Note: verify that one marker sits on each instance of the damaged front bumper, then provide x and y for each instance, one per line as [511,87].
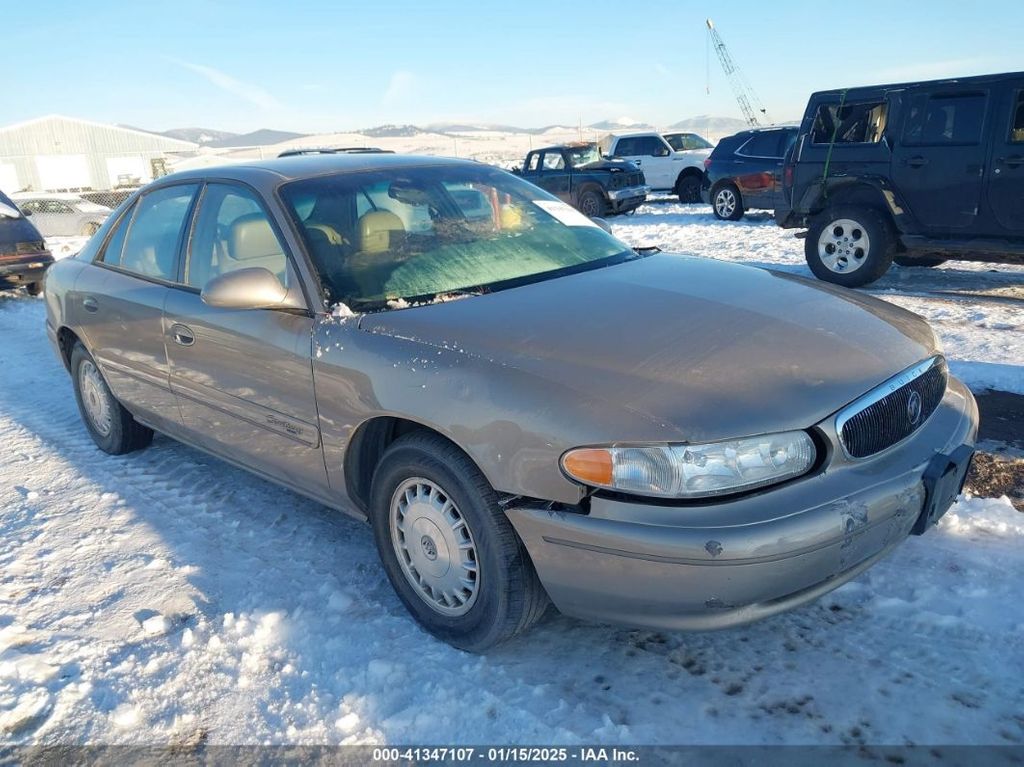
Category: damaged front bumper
[723,564]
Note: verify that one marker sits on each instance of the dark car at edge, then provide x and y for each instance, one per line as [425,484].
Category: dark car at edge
[744,172]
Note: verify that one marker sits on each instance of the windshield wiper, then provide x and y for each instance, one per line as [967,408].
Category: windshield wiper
[647,250]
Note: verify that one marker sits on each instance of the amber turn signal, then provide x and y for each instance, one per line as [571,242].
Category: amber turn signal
[591,466]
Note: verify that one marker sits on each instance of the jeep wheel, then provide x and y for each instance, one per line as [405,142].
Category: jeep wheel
[726,202]
[923,261]
[591,203]
[34,288]
[448,548]
[688,188]
[849,246]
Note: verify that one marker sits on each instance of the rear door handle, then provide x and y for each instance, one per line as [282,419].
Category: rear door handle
[1014,161]
[917,162]
[90,304]
[182,334]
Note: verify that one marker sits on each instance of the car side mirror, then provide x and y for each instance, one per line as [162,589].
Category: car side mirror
[250,288]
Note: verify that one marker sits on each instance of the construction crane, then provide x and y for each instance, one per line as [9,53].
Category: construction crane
[749,103]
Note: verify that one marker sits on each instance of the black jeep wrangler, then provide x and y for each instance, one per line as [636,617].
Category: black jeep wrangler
[917,172]
[577,173]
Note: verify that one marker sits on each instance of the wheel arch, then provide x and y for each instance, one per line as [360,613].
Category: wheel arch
[66,340]
[687,172]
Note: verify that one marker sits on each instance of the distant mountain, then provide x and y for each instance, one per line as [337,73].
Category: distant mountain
[392,131]
[261,137]
[717,126]
[621,124]
[204,136]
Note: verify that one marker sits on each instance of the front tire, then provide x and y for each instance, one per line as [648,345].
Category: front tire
[688,188]
[726,202]
[34,288]
[849,245]
[448,549]
[111,427]
[591,203]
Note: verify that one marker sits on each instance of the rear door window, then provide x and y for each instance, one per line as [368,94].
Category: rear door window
[1017,123]
[849,123]
[937,119]
[151,244]
[764,144]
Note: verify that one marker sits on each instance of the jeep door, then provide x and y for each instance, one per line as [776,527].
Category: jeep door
[554,175]
[1005,193]
[939,159]
[243,377]
[118,302]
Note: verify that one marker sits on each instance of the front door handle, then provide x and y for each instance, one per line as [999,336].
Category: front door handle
[182,334]
[917,162]
[1014,161]
[90,304]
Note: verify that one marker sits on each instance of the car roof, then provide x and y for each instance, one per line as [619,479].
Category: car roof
[865,90]
[294,167]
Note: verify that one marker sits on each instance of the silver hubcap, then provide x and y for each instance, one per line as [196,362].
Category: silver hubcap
[434,546]
[94,397]
[843,246]
[725,203]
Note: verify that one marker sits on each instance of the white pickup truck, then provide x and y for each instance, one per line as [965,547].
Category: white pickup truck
[666,169]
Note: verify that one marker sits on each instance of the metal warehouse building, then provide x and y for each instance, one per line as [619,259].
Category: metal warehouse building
[62,154]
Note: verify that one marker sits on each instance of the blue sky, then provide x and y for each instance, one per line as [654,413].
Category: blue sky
[321,66]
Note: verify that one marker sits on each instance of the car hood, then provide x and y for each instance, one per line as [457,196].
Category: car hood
[715,350]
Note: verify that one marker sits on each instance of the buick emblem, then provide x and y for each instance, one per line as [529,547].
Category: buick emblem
[914,408]
[429,548]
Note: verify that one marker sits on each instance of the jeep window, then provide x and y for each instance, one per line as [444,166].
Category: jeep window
[553,161]
[582,155]
[534,162]
[939,119]
[423,236]
[851,123]
[763,144]
[1017,126]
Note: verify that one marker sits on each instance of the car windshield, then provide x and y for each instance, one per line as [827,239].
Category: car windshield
[582,155]
[386,237]
[682,141]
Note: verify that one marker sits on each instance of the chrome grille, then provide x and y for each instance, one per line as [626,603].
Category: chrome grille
[893,411]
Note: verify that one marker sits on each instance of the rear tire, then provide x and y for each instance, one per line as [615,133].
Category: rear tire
[688,188]
[726,202]
[111,427]
[849,245]
[923,261]
[434,516]
[34,288]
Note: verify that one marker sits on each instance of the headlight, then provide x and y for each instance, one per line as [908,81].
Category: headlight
[693,471]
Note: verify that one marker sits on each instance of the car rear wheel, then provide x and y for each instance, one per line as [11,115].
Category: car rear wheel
[726,202]
[591,203]
[849,246]
[34,288]
[688,188]
[448,549]
[111,427]
[923,261]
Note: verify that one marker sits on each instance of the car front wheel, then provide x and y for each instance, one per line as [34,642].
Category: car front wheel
[726,203]
[849,246]
[688,188]
[111,427]
[448,549]
[591,203]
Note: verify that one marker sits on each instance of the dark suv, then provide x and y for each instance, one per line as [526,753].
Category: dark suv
[745,171]
[23,254]
[919,172]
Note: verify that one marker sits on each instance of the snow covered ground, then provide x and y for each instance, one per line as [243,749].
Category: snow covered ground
[165,597]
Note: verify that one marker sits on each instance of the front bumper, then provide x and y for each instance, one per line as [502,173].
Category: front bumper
[629,193]
[728,563]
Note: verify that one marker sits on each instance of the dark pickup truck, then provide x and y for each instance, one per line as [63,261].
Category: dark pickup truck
[581,177]
[23,254]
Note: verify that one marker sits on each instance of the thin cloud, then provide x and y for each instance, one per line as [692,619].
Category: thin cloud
[254,94]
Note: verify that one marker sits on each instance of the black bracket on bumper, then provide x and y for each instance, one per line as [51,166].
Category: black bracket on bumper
[943,482]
